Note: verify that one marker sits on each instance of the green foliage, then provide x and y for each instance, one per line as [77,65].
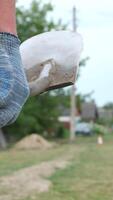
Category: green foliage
[81,65]
[39,114]
[63,132]
[109,106]
[97,130]
[34,20]
[100,129]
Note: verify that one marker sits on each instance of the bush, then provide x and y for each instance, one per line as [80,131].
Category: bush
[100,130]
[62,133]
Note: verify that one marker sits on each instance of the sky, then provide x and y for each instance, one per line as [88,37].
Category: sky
[95,24]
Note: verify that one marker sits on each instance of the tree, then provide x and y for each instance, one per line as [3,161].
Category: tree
[108,106]
[34,20]
[81,65]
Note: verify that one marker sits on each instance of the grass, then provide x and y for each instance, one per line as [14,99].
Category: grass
[88,177]
[11,161]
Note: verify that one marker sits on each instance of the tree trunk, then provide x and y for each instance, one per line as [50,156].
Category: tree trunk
[3,143]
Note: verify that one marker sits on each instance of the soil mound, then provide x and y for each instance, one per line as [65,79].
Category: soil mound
[33,141]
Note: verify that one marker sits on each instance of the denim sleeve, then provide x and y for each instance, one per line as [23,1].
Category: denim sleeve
[14,89]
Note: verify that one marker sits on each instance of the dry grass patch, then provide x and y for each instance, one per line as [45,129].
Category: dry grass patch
[29,180]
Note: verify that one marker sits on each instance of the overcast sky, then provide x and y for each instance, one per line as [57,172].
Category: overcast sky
[95,23]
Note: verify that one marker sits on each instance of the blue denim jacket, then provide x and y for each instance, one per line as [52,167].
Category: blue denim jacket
[14,89]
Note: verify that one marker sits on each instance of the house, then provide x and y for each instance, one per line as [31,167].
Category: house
[89,111]
[65,118]
[105,114]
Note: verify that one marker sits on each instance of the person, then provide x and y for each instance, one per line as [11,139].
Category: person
[14,89]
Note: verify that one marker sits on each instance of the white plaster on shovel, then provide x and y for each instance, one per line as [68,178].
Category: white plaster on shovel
[51,60]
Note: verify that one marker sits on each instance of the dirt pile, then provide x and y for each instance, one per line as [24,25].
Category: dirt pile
[33,141]
[30,181]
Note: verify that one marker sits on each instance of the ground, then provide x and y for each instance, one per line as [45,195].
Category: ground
[79,171]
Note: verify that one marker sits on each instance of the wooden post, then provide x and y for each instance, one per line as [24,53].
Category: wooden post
[73,94]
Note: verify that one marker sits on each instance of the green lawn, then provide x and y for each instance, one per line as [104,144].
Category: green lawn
[88,177]
[11,160]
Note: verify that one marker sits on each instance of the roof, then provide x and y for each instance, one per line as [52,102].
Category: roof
[89,111]
[67,119]
[106,114]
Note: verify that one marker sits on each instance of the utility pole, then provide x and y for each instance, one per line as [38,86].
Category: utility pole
[73,93]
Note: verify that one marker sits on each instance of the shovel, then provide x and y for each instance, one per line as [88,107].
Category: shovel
[51,60]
